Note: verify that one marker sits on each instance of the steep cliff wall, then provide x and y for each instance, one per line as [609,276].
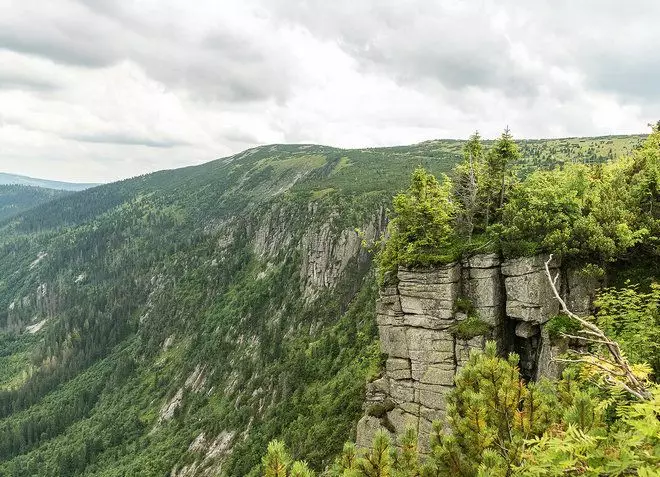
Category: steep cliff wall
[431,320]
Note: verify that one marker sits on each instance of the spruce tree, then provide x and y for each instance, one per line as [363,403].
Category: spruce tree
[500,163]
[468,185]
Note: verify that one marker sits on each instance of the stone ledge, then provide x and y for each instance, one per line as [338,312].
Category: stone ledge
[444,274]
[526,265]
[485,260]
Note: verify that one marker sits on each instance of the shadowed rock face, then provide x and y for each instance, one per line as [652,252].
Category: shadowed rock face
[417,322]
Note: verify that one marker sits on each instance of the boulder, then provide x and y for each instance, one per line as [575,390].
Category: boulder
[525,329]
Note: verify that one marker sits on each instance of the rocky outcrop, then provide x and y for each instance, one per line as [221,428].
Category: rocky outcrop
[427,340]
[208,453]
[34,308]
[327,251]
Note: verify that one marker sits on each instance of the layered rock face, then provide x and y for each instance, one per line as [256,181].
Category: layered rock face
[419,322]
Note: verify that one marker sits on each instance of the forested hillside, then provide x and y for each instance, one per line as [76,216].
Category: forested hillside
[15,199]
[179,321]
[14,179]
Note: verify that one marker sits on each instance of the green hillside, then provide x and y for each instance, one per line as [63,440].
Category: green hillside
[179,321]
[15,199]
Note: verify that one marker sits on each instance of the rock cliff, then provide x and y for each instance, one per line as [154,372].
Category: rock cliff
[430,321]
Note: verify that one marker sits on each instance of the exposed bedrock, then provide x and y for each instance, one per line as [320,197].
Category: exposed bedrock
[419,322]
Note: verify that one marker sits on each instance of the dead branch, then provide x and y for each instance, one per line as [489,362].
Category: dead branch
[616,369]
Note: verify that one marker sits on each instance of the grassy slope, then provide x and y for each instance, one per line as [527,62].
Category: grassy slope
[171,255]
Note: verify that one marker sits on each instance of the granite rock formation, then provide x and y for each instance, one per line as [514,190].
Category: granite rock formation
[418,322]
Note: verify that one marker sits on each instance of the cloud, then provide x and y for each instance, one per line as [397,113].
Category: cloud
[126,140]
[105,89]
[218,61]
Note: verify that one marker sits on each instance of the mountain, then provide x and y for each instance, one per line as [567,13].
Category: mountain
[13,179]
[15,199]
[176,322]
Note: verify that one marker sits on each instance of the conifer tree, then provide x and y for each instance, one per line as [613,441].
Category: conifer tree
[422,229]
[407,458]
[491,408]
[467,185]
[378,460]
[347,461]
[276,461]
[300,469]
[500,163]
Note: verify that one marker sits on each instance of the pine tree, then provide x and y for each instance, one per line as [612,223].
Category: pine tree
[407,458]
[467,185]
[422,229]
[378,460]
[492,409]
[300,469]
[276,461]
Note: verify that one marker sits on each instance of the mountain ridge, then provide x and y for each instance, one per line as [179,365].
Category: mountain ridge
[17,179]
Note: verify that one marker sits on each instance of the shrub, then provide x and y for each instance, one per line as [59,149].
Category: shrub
[470,327]
[421,231]
[561,324]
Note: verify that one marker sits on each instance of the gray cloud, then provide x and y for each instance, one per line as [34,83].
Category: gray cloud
[21,82]
[416,41]
[127,140]
[461,44]
[226,65]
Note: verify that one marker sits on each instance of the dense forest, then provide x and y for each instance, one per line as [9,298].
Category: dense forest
[15,199]
[177,323]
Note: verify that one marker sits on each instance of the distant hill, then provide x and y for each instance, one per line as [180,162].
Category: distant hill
[15,199]
[13,179]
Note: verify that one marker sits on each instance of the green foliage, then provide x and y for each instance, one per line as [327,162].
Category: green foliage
[469,180]
[499,175]
[561,324]
[630,446]
[592,212]
[377,462]
[632,318]
[420,232]
[464,305]
[501,426]
[470,327]
[149,278]
[492,409]
[277,463]
[169,258]
[15,199]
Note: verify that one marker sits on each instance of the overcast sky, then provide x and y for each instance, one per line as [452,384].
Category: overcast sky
[98,90]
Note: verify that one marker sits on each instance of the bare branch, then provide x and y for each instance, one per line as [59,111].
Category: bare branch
[591,363]
[618,365]
[583,338]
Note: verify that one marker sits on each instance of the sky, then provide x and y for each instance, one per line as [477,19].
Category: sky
[100,90]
